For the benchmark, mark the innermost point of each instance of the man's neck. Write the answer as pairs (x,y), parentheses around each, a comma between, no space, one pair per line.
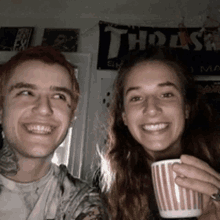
(31,170)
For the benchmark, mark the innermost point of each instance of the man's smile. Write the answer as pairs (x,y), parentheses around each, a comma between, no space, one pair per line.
(39,128)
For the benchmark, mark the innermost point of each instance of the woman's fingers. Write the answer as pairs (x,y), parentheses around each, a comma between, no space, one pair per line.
(197,185)
(193,161)
(191,172)
(211,211)
(197,175)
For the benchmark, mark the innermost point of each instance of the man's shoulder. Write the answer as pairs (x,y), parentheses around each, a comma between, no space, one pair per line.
(78,197)
(75,189)
(65,179)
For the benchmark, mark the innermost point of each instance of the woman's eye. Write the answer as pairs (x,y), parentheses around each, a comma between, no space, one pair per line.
(60,96)
(135,99)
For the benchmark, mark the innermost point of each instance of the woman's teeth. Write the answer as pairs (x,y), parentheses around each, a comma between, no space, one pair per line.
(155,127)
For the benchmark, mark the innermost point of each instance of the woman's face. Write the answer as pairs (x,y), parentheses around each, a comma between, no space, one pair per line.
(154,108)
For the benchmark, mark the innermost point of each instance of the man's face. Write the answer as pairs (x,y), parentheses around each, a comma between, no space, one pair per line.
(37,110)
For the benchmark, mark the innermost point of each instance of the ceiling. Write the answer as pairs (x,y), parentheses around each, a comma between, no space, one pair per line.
(160,9)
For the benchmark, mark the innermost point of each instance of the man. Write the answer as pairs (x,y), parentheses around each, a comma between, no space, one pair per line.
(39,95)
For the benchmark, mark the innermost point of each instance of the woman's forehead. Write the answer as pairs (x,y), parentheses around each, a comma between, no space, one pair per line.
(152,72)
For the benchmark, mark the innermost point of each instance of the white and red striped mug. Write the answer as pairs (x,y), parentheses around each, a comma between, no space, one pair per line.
(173,201)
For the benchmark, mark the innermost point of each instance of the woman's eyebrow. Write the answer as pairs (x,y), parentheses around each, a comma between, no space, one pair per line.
(131,89)
(21,85)
(164,84)
(169,84)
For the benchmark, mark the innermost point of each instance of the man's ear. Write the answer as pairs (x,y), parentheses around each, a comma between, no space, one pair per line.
(187,111)
(74,117)
(124,118)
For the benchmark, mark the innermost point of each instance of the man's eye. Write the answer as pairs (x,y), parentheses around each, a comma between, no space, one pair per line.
(25,93)
(60,96)
(167,95)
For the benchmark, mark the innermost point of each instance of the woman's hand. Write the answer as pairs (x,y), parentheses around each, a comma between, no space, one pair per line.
(199,176)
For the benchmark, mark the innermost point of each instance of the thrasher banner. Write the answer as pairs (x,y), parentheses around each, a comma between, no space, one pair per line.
(200,52)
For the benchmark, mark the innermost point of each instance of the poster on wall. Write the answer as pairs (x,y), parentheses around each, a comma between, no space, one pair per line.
(201,55)
(65,40)
(15,38)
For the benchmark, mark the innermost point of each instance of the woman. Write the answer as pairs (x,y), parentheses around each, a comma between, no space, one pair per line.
(156,113)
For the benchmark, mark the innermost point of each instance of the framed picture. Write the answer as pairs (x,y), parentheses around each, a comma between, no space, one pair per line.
(15,38)
(210,90)
(65,40)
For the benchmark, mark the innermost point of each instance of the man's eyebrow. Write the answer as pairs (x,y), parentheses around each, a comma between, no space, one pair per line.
(62,89)
(21,85)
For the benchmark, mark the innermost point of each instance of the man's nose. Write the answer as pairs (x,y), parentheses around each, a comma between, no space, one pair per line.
(43,106)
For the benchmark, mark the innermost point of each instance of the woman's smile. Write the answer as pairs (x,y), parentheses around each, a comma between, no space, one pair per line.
(155,127)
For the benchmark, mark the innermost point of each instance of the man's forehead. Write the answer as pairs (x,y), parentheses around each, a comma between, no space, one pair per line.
(39,75)
(34,68)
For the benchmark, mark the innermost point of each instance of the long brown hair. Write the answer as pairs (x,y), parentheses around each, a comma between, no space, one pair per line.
(126,174)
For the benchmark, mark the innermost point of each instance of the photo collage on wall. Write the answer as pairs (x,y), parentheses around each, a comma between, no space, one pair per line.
(15,38)
(20,38)
(65,40)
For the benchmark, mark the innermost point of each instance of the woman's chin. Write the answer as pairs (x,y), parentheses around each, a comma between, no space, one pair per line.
(167,154)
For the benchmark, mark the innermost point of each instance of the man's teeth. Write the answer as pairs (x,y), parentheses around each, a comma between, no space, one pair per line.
(39,129)
(155,127)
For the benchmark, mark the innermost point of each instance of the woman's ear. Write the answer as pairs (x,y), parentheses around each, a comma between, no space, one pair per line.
(1,112)
(124,118)
(187,111)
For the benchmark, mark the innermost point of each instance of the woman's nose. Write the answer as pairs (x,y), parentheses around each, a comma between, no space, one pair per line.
(152,106)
